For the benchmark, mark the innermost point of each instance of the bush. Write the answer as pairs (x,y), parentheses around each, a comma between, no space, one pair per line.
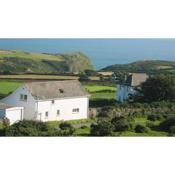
(154,117)
(172,130)
(103,127)
(66,129)
(167,123)
(26,128)
(121,124)
(141,128)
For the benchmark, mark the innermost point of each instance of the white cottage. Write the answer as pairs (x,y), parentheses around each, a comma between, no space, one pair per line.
(53,100)
(128,85)
(12,113)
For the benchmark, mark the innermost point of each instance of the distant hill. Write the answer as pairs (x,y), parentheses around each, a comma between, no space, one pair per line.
(146,66)
(26,62)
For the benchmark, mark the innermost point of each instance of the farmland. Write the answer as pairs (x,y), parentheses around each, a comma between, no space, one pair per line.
(103,93)
(7,87)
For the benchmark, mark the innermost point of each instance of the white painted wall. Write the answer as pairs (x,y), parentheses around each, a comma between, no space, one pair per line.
(14,114)
(65,106)
(35,110)
(123,92)
(29,105)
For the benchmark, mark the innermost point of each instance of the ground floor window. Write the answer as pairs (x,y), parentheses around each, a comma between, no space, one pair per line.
(58,113)
(75,110)
(46,114)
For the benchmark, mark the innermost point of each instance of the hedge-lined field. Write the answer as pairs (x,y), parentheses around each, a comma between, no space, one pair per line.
(7,87)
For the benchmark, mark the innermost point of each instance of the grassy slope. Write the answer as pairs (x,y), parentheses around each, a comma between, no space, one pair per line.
(23,62)
(149,66)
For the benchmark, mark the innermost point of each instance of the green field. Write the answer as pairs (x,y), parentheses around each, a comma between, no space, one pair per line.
(7,87)
(101,91)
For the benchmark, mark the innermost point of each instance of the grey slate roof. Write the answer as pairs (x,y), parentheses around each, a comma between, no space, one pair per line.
(135,79)
(5,106)
(56,89)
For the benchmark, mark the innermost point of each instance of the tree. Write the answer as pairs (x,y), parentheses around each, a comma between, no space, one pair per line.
(83,77)
(156,88)
(90,72)
(103,127)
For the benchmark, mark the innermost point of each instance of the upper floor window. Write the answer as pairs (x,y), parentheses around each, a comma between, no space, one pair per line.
(23,97)
(75,110)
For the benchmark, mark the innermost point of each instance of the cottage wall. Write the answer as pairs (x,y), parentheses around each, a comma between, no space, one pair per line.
(29,105)
(65,107)
(123,92)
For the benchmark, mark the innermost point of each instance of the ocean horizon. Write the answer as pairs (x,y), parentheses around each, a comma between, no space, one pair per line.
(102,52)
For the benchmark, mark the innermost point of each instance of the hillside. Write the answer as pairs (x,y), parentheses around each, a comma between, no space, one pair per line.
(26,62)
(146,66)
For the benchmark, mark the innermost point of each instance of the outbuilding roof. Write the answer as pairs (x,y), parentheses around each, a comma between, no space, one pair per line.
(56,89)
(5,106)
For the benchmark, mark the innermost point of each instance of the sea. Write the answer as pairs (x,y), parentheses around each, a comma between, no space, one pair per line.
(102,52)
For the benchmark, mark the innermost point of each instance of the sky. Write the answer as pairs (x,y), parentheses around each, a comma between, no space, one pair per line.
(102,52)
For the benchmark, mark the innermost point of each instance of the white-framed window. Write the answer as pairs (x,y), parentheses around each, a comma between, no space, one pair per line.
(53,101)
(46,114)
(75,110)
(58,113)
(23,97)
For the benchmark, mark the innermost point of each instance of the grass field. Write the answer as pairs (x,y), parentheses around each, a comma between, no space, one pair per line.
(101,92)
(8,86)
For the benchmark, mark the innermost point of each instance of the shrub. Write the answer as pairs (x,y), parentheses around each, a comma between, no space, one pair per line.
(150,124)
(141,128)
(66,129)
(121,124)
(26,128)
(106,112)
(154,117)
(84,127)
(103,127)
(172,130)
(167,123)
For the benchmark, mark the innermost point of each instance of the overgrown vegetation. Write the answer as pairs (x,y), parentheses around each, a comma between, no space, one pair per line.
(156,88)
